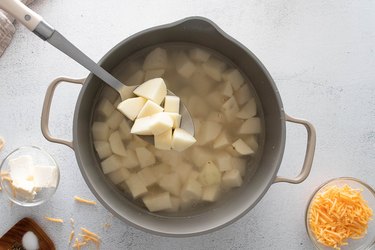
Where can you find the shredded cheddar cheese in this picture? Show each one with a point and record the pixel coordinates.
(88, 232)
(71, 237)
(338, 214)
(54, 219)
(79, 199)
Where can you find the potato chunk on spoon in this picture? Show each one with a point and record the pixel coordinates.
(38, 26)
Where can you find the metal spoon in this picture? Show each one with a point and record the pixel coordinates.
(42, 29)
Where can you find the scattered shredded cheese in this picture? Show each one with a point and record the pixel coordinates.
(1, 188)
(54, 219)
(337, 214)
(79, 199)
(71, 237)
(88, 232)
(90, 238)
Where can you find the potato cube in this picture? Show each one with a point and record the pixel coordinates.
(111, 164)
(100, 131)
(142, 126)
(176, 119)
(157, 202)
(108, 93)
(172, 104)
(103, 149)
(154, 90)
(181, 140)
(239, 164)
(216, 117)
(145, 157)
(147, 176)
(211, 193)
(222, 141)
(136, 186)
(242, 148)
(200, 156)
(210, 174)
(171, 183)
(104, 108)
(192, 190)
(175, 204)
(243, 94)
(227, 89)
(156, 59)
(150, 108)
(194, 175)
(224, 161)
(234, 77)
(216, 100)
(160, 170)
(154, 73)
(197, 106)
(135, 79)
(184, 66)
(119, 175)
(208, 132)
(115, 119)
(230, 109)
(248, 110)
(117, 146)
(160, 123)
(252, 141)
(199, 55)
(214, 68)
(251, 126)
(183, 170)
(201, 83)
(163, 141)
(232, 151)
(124, 130)
(171, 157)
(131, 107)
(131, 160)
(232, 179)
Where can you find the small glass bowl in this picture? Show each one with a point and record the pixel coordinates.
(368, 194)
(40, 157)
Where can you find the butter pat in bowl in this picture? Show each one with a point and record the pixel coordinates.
(29, 176)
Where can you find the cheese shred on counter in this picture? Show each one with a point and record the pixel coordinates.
(337, 214)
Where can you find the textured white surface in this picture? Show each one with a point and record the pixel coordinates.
(320, 54)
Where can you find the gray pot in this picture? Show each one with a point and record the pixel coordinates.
(203, 32)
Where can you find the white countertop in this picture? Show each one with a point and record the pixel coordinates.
(321, 55)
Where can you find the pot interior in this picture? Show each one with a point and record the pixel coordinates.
(200, 32)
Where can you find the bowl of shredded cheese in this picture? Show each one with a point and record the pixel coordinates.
(29, 176)
(340, 215)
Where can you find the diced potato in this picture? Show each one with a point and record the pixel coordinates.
(232, 151)
(183, 170)
(111, 164)
(194, 175)
(227, 89)
(252, 141)
(172, 104)
(231, 179)
(211, 193)
(119, 175)
(156, 59)
(202, 83)
(199, 55)
(104, 108)
(115, 119)
(150, 108)
(145, 157)
(209, 131)
(154, 90)
(100, 131)
(157, 202)
(234, 77)
(103, 149)
(163, 141)
(136, 78)
(223, 161)
(200, 156)
(192, 190)
(210, 174)
(171, 183)
(242, 148)
(142, 126)
(124, 130)
(154, 73)
(230, 109)
(160, 170)
(136, 186)
(117, 102)
(109, 94)
(184, 66)
(147, 176)
(248, 110)
(216, 100)
(116, 144)
(197, 106)
(176, 119)
(171, 157)
(251, 126)
(181, 140)
(214, 68)
(222, 140)
(131, 107)
(131, 160)
(216, 117)
(243, 94)
(175, 204)
(239, 164)
(160, 123)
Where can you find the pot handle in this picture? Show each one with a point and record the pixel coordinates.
(47, 107)
(310, 150)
